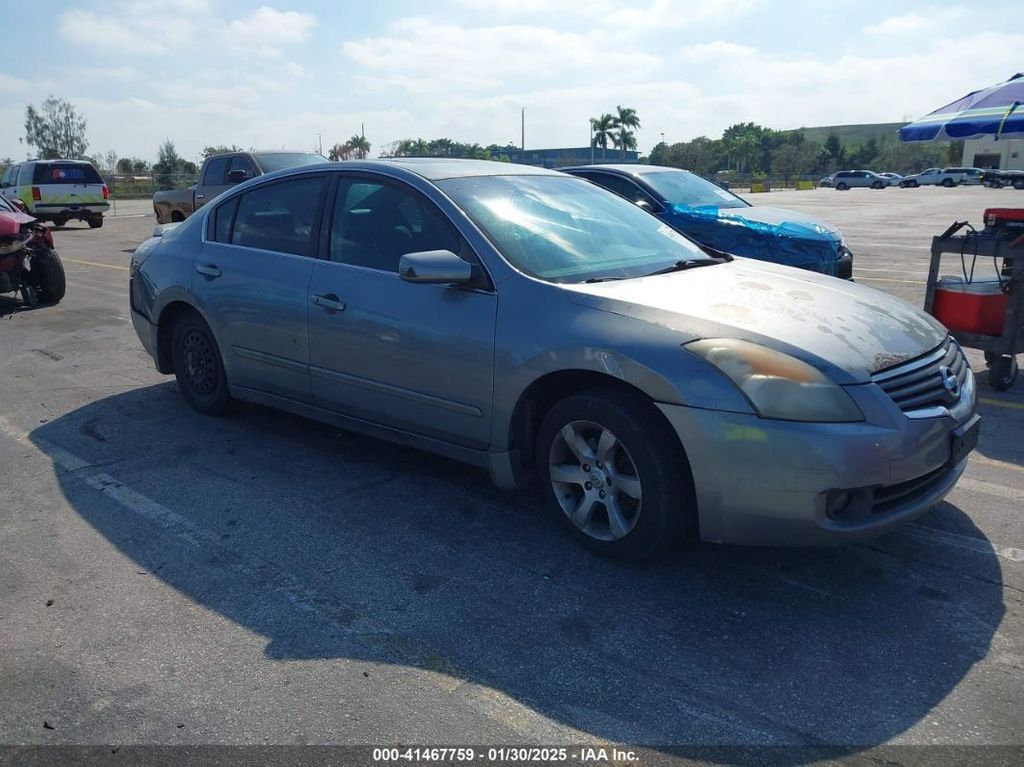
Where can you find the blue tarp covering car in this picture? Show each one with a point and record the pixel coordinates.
(717, 218)
(767, 234)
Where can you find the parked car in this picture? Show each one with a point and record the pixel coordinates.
(218, 174)
(894, 178)
(848, 179)
(722, 220)
(828, 181)
(997, 179)
(58, 190)
(526, 321)
(947, 177)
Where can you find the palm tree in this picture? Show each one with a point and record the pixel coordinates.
(602, 127)
(360, 146)
(624, 120)
(339, 152)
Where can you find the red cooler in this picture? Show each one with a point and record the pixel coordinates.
(972, 307)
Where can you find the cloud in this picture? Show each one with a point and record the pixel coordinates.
(125, 33)
(930, 20)
(420, 55)
(266, 31)
(666, 14)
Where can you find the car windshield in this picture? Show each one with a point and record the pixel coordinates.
(563, 229)
(281, 160)
(682, 188)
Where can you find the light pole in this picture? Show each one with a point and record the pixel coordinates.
(663, 137)
(591, 121)
(522, 137)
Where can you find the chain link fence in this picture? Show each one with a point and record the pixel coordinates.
(143, 187)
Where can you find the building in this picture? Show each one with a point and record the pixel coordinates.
(1004, 154)
(562, 157)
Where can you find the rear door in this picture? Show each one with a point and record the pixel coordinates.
(252, 276)
(419, 358)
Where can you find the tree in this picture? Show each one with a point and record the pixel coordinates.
(213, 151)
(602, 128)
(340, 152)
(625, 119)
(56, 130)
(132, 166)
(170, 165)
(794, 159)
(360, 146)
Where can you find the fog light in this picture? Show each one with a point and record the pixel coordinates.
(836, 503)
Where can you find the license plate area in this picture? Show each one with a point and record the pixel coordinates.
(964, 440)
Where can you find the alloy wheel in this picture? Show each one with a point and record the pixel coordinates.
(595, 480)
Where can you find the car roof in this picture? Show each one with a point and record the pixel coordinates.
(627, 169)
(57, 159)
(438, 168)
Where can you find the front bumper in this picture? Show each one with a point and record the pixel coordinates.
(147, 333)
(764, 482)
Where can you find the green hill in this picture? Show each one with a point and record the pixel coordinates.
(854, 135)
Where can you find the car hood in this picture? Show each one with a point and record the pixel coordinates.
(767, 234)
(776, 216)
(846, 330)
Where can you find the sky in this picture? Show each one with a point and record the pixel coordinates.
(275, 74)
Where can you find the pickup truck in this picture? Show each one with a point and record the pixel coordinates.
(218, 174)
(942, 177)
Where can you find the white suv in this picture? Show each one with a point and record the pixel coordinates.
(58, 190)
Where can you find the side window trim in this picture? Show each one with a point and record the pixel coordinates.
(318, 213)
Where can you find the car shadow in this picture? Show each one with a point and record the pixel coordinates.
(333, 545)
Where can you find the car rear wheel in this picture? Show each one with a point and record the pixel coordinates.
(877, 185)
(611, 470)
(1018, 184)
(95, 222)
(198, 366)
(947, 182)
(47, 277)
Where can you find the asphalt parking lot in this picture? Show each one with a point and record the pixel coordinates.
(169, 578)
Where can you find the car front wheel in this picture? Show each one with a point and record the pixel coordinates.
(841, 186)
(198, 366)
(611, 470)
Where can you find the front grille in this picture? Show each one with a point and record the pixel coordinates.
(927, 381)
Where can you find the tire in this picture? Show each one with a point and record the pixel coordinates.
(842, 186)
(878, 185)
(914, 185)
(47, 277)
(60, 221)
(1003, 372)
(948, 183)
(198, 366)
(177, 217)
(1018, 184)
(990, 357)
(647, 482)
(95, 222)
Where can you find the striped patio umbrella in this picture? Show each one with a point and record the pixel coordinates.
(994, 111)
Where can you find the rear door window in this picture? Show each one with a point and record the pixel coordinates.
(283, 217)
(241, 162)
(223, 218)
(65, 173)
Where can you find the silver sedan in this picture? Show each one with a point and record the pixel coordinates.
(548, 330)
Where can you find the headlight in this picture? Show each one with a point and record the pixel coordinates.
(777, 385)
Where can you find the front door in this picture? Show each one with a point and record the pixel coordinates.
(419, 358)
(252, 277)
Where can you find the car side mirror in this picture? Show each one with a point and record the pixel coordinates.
(434, 267)
(237, 176)
(643, 204)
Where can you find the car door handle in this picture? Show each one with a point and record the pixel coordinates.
(208, 270)
(329, 302)
(200, 196)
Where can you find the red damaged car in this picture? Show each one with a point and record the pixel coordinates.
(28, 263)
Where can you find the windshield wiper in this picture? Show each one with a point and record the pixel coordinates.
(687, 263)
(602, 279)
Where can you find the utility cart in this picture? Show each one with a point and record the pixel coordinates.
(983, 306)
